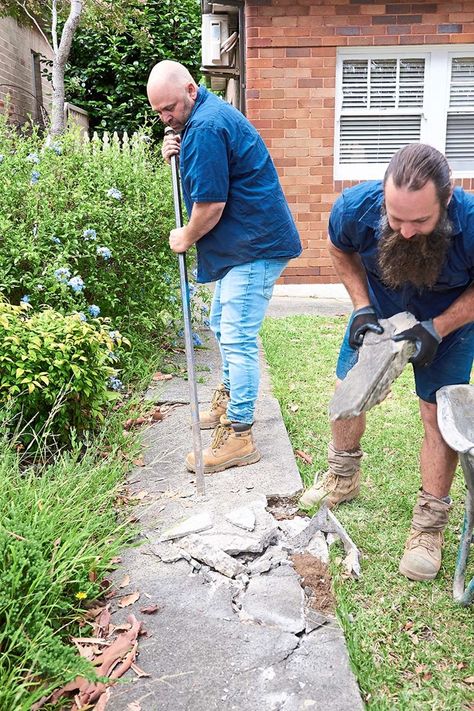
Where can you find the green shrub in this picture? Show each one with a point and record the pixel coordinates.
(85, 226)
(55, 370)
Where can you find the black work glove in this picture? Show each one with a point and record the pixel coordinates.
(364, 319)
(426, 338)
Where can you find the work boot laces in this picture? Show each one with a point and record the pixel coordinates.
(423, 539)
(219, 398)
(220, 436)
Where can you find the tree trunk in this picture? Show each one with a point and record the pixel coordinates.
(61, 54)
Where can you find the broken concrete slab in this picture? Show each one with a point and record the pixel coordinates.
(233, 542)
(243, 517)
(318, 547)
(272, 558)
(194, 524)
(381, 360)
(275, 599)
(212, 556)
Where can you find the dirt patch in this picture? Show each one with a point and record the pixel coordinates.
(315, 575)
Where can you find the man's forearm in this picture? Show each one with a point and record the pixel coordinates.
(351, 272)
(204, 216)
(458, 314)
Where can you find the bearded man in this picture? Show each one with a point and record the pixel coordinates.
(406, 244)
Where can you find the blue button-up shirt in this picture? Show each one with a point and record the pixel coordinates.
(355, 225)
(224, 159)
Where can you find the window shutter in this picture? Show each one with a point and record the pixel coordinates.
(374, 139)
(460, 119)
(382, 102)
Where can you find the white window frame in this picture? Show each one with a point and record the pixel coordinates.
(435, 104)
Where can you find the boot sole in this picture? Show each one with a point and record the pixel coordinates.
(251, 458)
(418, 577)
(208, 426)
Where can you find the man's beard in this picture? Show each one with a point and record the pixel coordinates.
(417, 260)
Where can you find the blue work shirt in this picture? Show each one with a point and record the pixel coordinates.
(355, 226)
(223, 159)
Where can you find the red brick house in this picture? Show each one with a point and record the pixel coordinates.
(336, 86)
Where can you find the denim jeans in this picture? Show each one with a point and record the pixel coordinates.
(240, 301)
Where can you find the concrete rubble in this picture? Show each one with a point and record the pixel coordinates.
(237, 627)
(381, 360)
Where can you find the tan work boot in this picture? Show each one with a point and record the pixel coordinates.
(228, 448)
(208, 419)
(340, 483)
(422, 557)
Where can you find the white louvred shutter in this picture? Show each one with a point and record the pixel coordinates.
(460, 119)
(382, 103)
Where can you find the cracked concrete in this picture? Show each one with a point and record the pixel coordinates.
(244, 642)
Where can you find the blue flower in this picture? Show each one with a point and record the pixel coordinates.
(206, 322)
(180, 333)
(25, 299)
(40, 287)
(76, 284)
(115, 383)
(55, 239)
(113, 335)
(205, 309)
(89, 234)
(194, 273)
(82, 316)
(56, 148)
(196, 340)
(192, 290)
(33, 158)
(114, 193)
(1, 157)
(35, 176)
(112, 357)
(104, 252)
(62, 274)
(94, 310)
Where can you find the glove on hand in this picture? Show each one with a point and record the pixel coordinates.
(426, 338)
(364, 319)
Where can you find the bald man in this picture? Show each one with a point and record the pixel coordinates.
(244, 234)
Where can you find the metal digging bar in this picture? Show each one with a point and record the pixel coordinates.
(188, 338)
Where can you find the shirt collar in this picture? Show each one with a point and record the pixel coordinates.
(201, 97)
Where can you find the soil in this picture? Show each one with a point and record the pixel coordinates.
(315, 575)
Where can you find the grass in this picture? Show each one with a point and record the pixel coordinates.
(59, 534)
(410, 645)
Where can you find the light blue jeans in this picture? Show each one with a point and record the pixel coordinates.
(238, 308)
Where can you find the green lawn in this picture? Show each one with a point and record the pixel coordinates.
(411, 647)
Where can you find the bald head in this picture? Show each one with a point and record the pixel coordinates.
(172, 93)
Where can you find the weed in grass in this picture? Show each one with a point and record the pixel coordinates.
(409, 644)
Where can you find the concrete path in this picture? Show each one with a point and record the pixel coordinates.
(234, 628)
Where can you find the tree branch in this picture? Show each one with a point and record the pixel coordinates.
(34, 20)
(54, 26)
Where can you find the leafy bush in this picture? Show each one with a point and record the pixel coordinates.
(84, 227)
(55, 370)
(109, 68)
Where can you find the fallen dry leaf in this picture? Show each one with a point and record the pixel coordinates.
(140, 495)
(129, 599)
(305, 457)
(161, 376)
(294, 408)
(139, 672)
(157, 415)
(125, 582)
(134, 706)
(139, 462)
(150, 610)
(469, 680)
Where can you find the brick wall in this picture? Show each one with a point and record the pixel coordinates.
(291, 61)
(16, 69)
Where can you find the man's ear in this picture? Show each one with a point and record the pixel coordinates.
(192, 91)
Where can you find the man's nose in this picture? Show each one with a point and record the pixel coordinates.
(407, 230)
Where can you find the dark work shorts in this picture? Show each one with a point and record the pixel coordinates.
(451, 366)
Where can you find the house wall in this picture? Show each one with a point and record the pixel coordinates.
(291, 66)
(17, 43)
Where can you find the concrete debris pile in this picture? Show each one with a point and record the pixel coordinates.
(248, 549)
